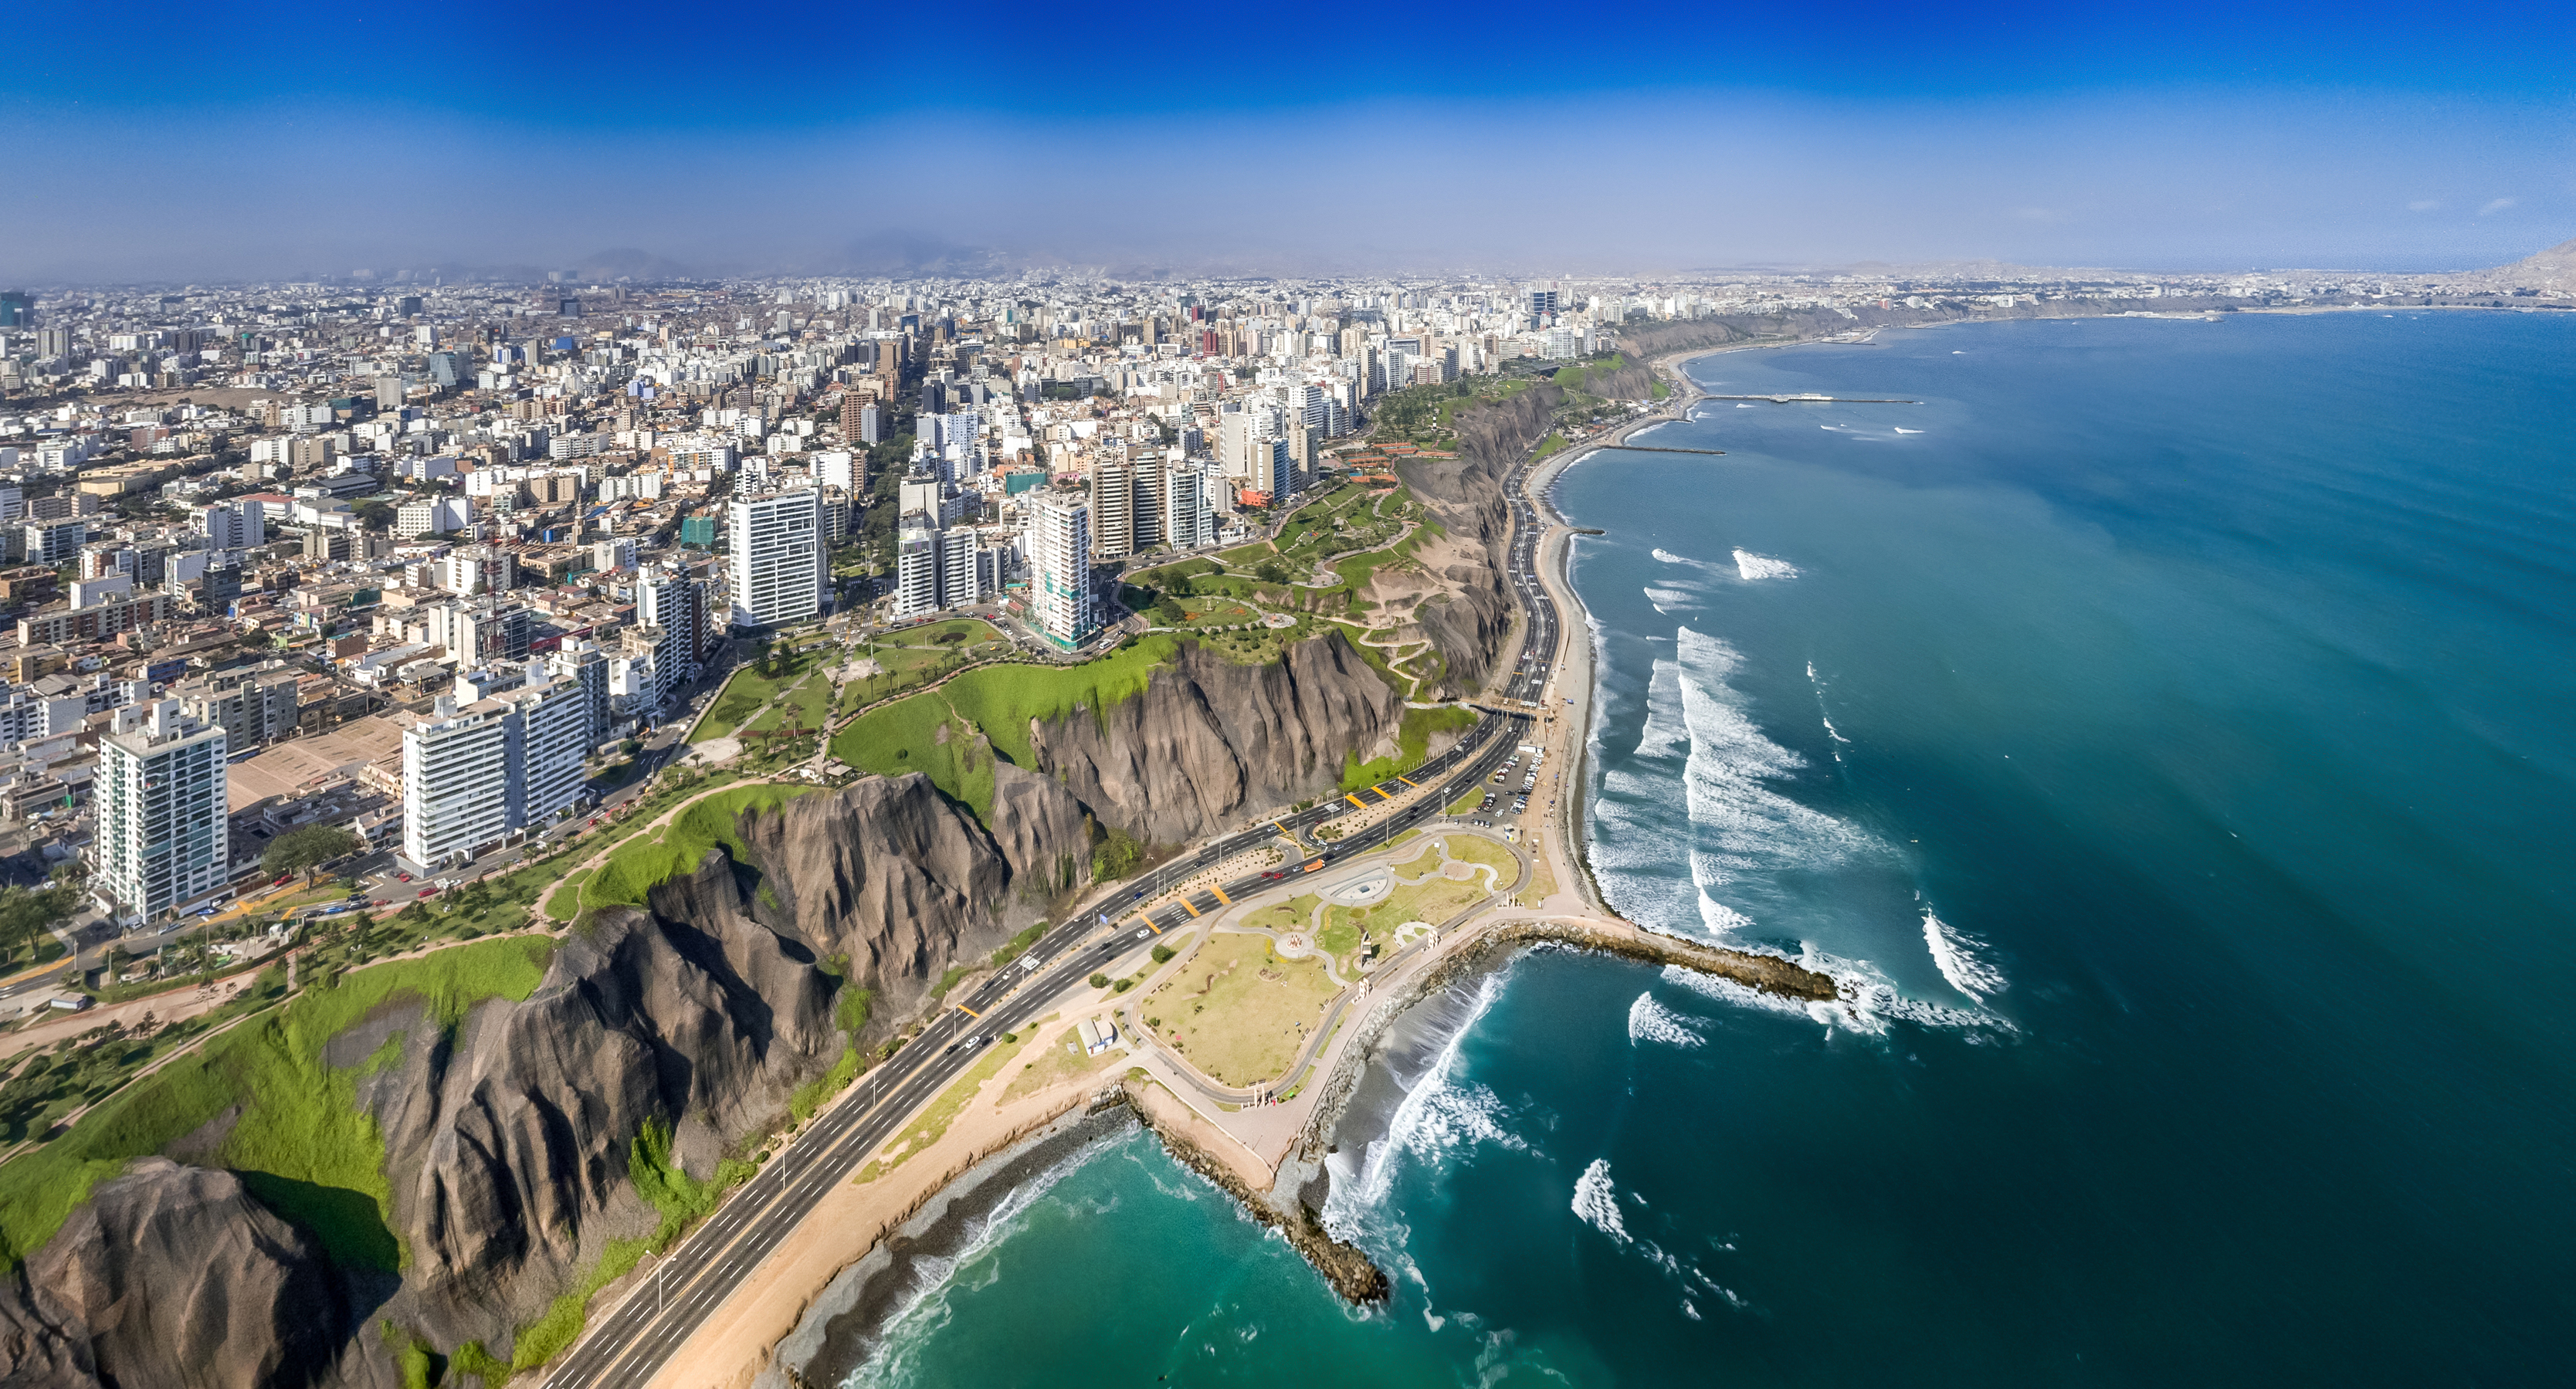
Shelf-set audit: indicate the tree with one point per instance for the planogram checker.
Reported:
(24, 915)
(303, 850)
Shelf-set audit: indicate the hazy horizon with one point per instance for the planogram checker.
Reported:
(289, 144)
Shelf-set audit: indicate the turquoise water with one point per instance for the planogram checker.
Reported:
(2169, 737)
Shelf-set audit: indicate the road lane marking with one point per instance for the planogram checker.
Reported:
(1185, 906)
(1356, 802)
(970, 1012)
(1220, 894)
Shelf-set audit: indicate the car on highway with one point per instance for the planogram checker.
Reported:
(1274, 875)
(428, 892)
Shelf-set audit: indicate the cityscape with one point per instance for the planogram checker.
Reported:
(1377, 719)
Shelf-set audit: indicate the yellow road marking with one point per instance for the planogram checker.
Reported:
(1381, 793)
(1410, 782)
(1185, 906)
(1356, 802)
(1150, 926)
(969, 1012)
(1220, 894)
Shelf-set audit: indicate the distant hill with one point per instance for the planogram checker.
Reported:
(2552, 266)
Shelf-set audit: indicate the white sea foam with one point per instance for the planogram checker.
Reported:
(1961, 960)
(1903, 430)
(1719, 919)
(1728, 991)
(1438, 1117)
(1740, 822)
(1650, 1021)
(1665, 596)
(1752, 566)
(1596, 1201)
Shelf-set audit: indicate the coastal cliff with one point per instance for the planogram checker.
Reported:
(510, 1131)
(1210, 742)
(1465, 495)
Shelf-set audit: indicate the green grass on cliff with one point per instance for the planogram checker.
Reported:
(300, 1141)
(936, 732)
(1412, 744)
(676, 849)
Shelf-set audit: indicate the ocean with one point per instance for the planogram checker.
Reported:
(2166, 727)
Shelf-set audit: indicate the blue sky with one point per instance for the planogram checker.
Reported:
(160, 141)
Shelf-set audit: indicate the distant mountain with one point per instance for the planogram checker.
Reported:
(2553, 267)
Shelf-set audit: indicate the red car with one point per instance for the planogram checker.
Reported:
(282, 880)
(402, 877)
(429, 892)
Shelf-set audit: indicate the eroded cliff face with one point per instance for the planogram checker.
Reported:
(173, 1276)
(508, 1135)
(1466, 495)
(1210, 743)
(507, 1143)
(905, 883)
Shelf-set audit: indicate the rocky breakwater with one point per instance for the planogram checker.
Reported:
(1209, 742)
(1283, 1207)
(1466, 496)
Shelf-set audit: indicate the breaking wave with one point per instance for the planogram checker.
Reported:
(1960, 958)
(1596, 1201)
(1440, 1116)
(1650, 1021)
(1752, 566)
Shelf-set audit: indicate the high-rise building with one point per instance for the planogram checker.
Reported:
(17, 308)
(234, 525)
(1113, 510)
(474, 774)
(842, 468)
(1147, 508)
(935, 568)
(667, 599)
(163, 839)
(1059, 549)
(55, 542)
(1188, 521)
(456, 782)
(778, 557)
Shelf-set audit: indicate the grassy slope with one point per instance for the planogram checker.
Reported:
(301, 1141)
(1413, 744)
(676, 849)
(998, 702)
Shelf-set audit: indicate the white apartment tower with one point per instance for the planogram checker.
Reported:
(1059, 546)
(1189, 519)
(456, 782)
(163, 838)
(235, 525)
(778, 557)
(1113, 510)
(473, 775)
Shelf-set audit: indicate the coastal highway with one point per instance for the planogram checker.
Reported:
(628, 1344)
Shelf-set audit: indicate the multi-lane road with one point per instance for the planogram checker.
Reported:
(629, 1343)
